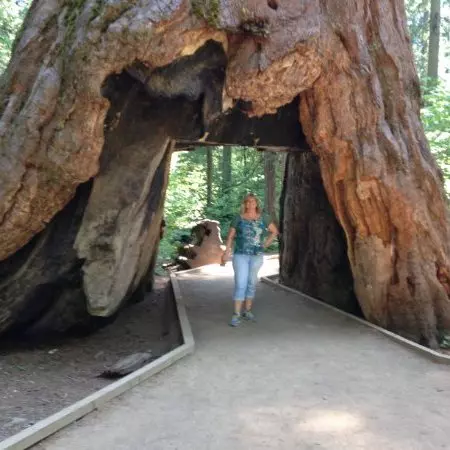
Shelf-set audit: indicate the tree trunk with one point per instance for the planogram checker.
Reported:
(435, 34)
(353, 69)
(269, 179)
(102, 247)
(226, 170)
(313, 255)
(363, 121)
(209, 177)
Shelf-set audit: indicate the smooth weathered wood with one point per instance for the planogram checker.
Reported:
(128, 364)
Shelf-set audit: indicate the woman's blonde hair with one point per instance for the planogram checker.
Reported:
(248, 196)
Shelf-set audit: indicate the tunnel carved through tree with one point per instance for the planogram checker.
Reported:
(103, 81)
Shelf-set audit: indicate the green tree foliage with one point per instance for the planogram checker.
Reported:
(436, 94)
(186, 201)
(436, 119)
(12, 14)
(418, 13)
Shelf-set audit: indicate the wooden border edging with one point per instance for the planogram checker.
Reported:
(50, 425)
(186, 330)
(424, 351)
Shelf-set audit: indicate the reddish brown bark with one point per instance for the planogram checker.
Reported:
(362, 118)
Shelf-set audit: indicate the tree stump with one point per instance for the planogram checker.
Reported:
(207, 247)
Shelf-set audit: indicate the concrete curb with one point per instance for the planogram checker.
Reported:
(424, 351)
(50, 425)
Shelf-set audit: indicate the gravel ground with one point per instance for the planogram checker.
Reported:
(39, 381)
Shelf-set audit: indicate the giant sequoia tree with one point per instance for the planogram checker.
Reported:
(98, 89)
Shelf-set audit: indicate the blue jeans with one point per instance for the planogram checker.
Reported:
(246, 268)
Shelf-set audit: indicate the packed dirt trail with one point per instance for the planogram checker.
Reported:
(302, 377)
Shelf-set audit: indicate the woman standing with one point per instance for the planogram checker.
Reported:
(249, 229)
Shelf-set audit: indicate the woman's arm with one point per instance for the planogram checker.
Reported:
(229, 243)
(273, 233)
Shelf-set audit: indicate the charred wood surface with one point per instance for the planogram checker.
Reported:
(314, 254)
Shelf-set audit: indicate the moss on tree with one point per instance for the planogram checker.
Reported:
(208, 10)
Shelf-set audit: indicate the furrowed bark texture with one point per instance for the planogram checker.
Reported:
(362, 119)
(351, 63)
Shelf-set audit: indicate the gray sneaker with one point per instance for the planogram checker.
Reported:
(235, 320)
(248, 315)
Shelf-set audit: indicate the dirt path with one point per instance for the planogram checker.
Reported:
(36, 382)
(302, 377)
